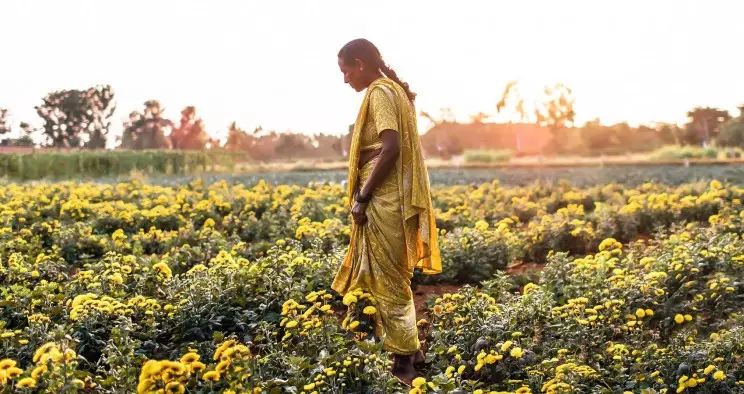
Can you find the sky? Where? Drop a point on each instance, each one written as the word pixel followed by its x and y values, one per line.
pixel 273 63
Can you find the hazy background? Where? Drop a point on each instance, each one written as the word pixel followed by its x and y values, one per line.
pixel 274 63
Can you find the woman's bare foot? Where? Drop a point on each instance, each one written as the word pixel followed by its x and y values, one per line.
pixel 418 357
pixel 403 368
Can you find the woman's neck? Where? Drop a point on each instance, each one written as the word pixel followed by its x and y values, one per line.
pixel 374 77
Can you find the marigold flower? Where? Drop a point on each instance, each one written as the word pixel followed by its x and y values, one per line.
pixel 26 383
pixel 418 382
pixel 211 376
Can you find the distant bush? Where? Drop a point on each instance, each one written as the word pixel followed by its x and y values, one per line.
pixel 488 156
pixel 732 133
pixel 94 164
pixel 676 152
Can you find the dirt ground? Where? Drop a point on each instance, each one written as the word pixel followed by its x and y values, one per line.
pixel 424 292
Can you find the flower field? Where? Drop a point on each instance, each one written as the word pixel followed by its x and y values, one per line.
pixel 211 287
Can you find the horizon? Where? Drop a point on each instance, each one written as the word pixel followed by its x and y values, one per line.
pixel 258 64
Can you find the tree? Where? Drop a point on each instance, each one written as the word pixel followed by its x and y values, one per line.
pixel 512 101
pixel 4 123
pixel 595 136
pixel 73 118
pixel 480 117
pixel 556 111
pixel 238 139
pixel 704 124
pixel 732 131
pixel 447 115
pixel 148 129
pixel 291 145
pixel 190 134
pixel 429 117
pixel 27 135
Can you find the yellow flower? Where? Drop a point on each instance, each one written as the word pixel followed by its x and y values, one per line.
pixel 174 388
pixel 370 310
pixel 449 371
pixel 688 317
pixel 309 387
pixel 516 352
pixel 640 313
pixel 222 365
pixel 38 371
pixel 7 363
pixel 349 299
pixel 719 375
pixel 26 383
pixel 212 376
pixel 418 382
pixel 354 324
pixel 709 369
pixel 189 358
pixel 163 270
pixel 292 324
pixel 528 288
pixel 506 346
pixel 116 278
pixel 415 390
pixel 679 319
pixel 13 372
pixel 452 349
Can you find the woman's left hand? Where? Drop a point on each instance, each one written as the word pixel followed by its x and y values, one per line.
pixel 359 213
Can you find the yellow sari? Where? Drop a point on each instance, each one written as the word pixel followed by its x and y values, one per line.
pixel 400 233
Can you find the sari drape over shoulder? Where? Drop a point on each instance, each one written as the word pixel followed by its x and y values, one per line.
pixel 400 233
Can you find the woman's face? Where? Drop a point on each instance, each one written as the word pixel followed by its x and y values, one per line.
pixel 353 75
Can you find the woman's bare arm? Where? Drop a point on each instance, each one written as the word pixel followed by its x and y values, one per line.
pixel 385 163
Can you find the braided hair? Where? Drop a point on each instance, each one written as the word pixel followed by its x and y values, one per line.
pixel 367 52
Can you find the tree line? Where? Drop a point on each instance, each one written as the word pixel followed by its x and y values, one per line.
pixel 526 117
pixel 82 119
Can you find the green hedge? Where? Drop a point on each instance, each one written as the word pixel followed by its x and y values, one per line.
pixel 93 164
pixel 675 152
pixel 488 156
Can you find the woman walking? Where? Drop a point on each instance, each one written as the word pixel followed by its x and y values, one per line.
pixel 394 229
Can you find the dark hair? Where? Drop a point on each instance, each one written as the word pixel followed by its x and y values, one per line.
pixel 367 52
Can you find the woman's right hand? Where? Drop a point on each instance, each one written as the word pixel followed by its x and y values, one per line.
pixel 359 213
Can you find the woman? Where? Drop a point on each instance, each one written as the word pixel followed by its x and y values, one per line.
pixel 394 229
